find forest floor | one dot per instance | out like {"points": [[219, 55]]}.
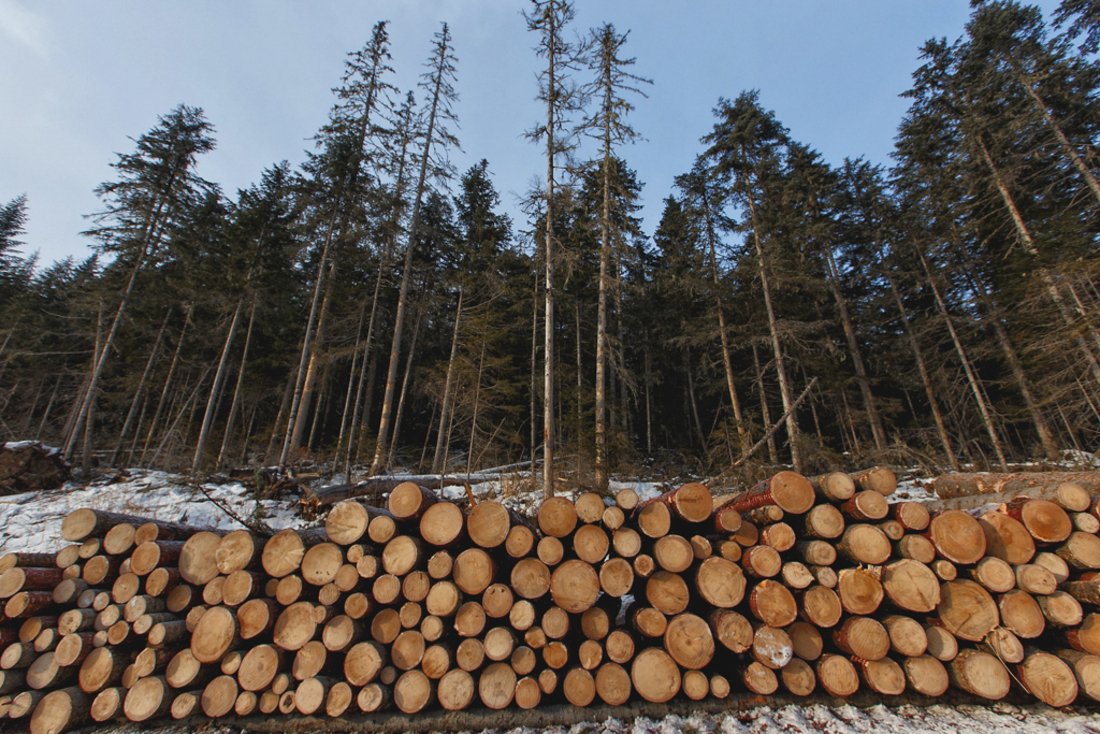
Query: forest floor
{"points": [[31, 521]]}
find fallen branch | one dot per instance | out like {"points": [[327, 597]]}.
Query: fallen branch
{"points": [[775, 427]]}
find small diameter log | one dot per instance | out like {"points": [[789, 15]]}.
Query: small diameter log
{"points": [[1048, 678], [907, 636], [692, 502], [863, 637], [149, 698], [1081, 551], [860, 591], [867, 505], [790, 491], [1021, 614], [85, 523], [863, 543], [798, 677], [760, 679], [772, 647], [1026, 483], [913, 516], [980, 674], [911, 585], [655, 675], [834, 486], [613, 684], [837, 675], [579, 687], [409, 501], [654, 519], [820, 606], [455, 690], [772, 603], [994, 574], [473, 571], [942, 645], [719, 582], [806, 640], [727, 520], [823, 521], [590, 544], [958, 537], [497, 686], [346, 523], [557, 517], [916, 547], [926, 675], [550, 550], [796, 575], [520, 541], [1061, 609], [689, 641], [589, 506], [1086, 668], [885, 677], [28, 578], [878, 478], [731, 630], [153, 553], [761, 561]]}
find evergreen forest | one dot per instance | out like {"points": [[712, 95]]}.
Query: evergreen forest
{"points": [[375, 310]]}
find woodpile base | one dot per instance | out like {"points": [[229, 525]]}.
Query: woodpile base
{"points": [[791, 587]]}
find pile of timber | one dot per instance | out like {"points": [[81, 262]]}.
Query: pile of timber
{"points": [[796, 584]]}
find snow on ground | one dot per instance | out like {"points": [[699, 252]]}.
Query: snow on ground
{"points": [[846, 719], [31, 521]]}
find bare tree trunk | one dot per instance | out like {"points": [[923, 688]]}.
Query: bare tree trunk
{"points": [[212, 400], [877, 431], [44, 421], [578, 422], [533, 438], [968, 370], [926, 379], [167, 384], [765, 412], [185, 410], [601, 312], [1067, 147], [409, 358], [86, 453], [693, 404], [445, 406], [284, 405], [1030, 247], [743, 437], [477, 406], [648, 400], [1042, 428], [139, 392], [234, 405], [548, 401], [777, 348], [322, 405], [382, 441]]}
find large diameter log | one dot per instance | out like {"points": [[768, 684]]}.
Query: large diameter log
{"points": [[1021, 614], [236, 551], [907, 637], [926, 675], [760, 679], [980, 674], [473, 571], [497, 686], [214, 635], [283, 552], [442, 524], [346, 523], [149, 698], [773, 604], [820, 606], [667, 592], [198, 558], [884, 677], [1046, 521], [691, 502], [731, 630], [967, 610], [488, 524], [557, 517], [655, 675], [1048, 678], [789, 490], [772, 647], [27, 578], [1007, 538], [1019, 483], [881, 479], [60, 710], [958, 537]]}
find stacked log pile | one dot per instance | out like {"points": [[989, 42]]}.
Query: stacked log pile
{"points": [[796, 584]]}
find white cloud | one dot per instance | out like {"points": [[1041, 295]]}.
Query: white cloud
{"points": [[23, 26]]}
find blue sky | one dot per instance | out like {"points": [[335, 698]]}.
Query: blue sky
{"points": [[80, 78]]}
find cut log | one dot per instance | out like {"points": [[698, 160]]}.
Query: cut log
{"points": [[456, 688], [834, 486], [473, 571], [772, 647], [347, 522], [1081, 551], [866, 505], [942, 645], [761, 561], [653, 520], [773, 604], [1018, 483], [958, 537], [488, 523], [497, 686], [689, 641], [719, 582], [1061, 609], [980, 674], [790, 491], [994, 574], [655, 675], [798, 677], [691, 502], [617, 577], [907, 637], [1046, 521], [363, 662], [917, 548], [863, 543], [1048, 678], [878, 478], [863, 637], [823, 521], [215, 634], [913, 516], [1020, 613], [820, 606], [760, 679], [967, 610], [557, 517], [860, 591], [911, 585], [409, 500], [295, 626], [673, 553], [667, 592], [837, 676], [1086, 669], [442, 524], [574, 586], [60, 710]]}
